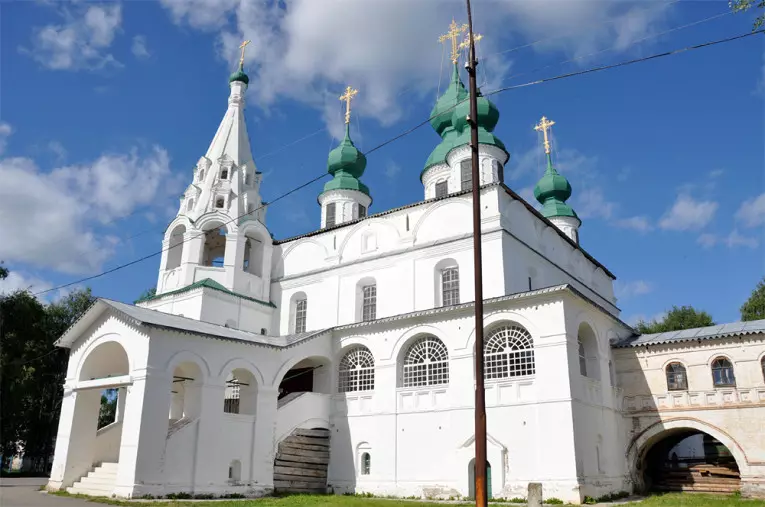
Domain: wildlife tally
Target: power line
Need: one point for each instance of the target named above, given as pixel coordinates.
(417, 126)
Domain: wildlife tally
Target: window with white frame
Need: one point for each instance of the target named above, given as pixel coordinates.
(331, 209)
(366, 463)
(426, 363)
(509, 352)
(369, 302)
(301, 310)
(450, 286)
(356, 371)
(442, 188)
(582, 359)
(466, 175)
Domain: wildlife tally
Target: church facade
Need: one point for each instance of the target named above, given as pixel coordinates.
(342, 360)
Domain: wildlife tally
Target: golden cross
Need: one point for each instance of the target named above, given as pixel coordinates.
(453, 33)
(466, 43)
(347, 96)
(543, 127)
(242, 46)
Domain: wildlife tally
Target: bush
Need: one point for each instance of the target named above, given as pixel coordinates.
(553, 501)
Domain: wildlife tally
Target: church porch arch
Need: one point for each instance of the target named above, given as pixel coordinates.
(686, 454)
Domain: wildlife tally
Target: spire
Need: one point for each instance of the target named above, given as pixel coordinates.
(552, 190)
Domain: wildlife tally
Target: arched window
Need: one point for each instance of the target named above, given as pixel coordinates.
(509, 352)
(366, 463)
(450, 286)
(582, 359)
(219, 202)
(175, 247)
(722, 373)
(356, 371)
(190, 205)
(677, 380)
(366, 299)
(426, 363)
(589, 360)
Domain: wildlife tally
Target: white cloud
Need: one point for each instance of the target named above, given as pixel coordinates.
(5, 131)
(81, 41)
(590, 202)
(752, 212)
(50, 219)
(392, 169)
(732, 240)
(636, 223)
(17, 281)
(626, 290)
(58, 149)
(716, 173)
(688, 214)
(139, 47)
(308, 50)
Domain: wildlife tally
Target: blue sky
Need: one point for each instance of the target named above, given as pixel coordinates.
(105, 108)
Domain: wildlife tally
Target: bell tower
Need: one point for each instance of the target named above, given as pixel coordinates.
(218, 242)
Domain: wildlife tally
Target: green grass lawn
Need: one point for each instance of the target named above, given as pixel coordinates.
(668, 500)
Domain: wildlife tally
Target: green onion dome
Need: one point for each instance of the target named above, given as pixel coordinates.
(441, 115)
(552, 191)
(239, 75)
(488, 114)
(346, 164)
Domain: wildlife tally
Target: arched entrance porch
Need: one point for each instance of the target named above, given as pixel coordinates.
(471, 479)
(92, 452)
(686, 456)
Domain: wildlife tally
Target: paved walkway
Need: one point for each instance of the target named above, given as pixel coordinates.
(25, 492)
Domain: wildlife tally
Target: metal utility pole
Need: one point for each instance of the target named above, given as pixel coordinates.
(481, 496)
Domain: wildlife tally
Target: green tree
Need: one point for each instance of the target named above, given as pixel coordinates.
(108, 412)
(679, 317)
(147, 294)
(745, 5)
(33, 370)
(754, 307)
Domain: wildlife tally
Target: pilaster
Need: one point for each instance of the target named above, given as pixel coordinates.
(262, 465)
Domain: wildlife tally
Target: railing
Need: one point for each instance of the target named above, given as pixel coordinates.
(301, 410)
(678, 400)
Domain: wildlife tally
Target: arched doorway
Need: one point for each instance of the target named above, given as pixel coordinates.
(688, 459)
(311, 375)
(471, 479)
(96, 434)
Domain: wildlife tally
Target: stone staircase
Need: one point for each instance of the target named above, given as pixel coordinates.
(99, 481)
(301, 462)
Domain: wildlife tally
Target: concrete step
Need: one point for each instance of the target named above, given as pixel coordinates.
(97, 480)
(82, 490)
(106, 465)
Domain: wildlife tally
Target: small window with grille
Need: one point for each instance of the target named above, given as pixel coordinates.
(369, 302)
(330, 214)
(450, 286)
(366, 463)
(466, 175)
(509, 352)
(224, 174)
(677, 380)
(442, 188)
(426, 363)
(356, 371)
(301, 310)
(362, 211)
(219, 202)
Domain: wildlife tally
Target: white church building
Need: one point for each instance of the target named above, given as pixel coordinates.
(341, 360)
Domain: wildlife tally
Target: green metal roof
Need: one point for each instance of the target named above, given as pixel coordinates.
(346, 164)
(239, 75)
(552, 191)
(208, 283)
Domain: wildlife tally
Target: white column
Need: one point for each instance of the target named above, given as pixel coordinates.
(75, 438)
(144, 431)
(206, 469)
(121, 396)
(262, 463)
